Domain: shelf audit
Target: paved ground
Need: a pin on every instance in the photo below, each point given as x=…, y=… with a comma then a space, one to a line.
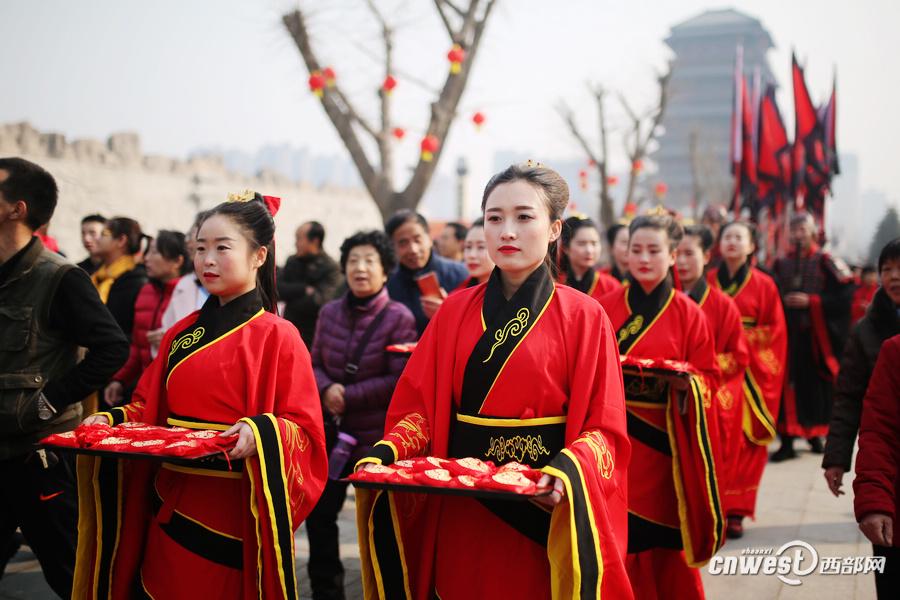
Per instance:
x=794, y=505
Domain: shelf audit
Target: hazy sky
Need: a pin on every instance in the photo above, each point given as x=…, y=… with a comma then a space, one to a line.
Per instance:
x=192, y=73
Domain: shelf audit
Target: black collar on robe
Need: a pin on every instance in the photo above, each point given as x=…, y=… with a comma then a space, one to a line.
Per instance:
x=585, y=284
x=615, y=272
x=644, y=310
x=731, y=285
x=472, y=282
x=700, y=290
x=507, y=323
x=213, y=322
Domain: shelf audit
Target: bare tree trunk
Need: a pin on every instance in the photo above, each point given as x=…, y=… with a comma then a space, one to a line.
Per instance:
x=464, y=27
x=636, y=147
x=599, y=159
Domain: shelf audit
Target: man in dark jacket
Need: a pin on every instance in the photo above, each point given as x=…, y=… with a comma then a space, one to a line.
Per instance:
x=48, y=309
x=308, y=280
x=882, y=321
x=408, y=230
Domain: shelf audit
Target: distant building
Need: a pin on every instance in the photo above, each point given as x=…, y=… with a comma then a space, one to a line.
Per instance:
x=693, y=156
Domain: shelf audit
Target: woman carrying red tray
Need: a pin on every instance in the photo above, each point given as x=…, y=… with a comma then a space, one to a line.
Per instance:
x=675, y=518
x=232, y=366
x=514, y=369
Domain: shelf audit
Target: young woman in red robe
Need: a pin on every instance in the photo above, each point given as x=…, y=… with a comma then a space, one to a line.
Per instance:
x=756, y=296
x=475, y=255
x=617, y=238
x=225, y=529
x=732, y=353
x=580, y=253
x=675, y=520
x=516, y=369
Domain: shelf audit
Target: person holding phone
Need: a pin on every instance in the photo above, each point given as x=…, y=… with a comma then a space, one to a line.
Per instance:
x=413, y=282
x=521, y=359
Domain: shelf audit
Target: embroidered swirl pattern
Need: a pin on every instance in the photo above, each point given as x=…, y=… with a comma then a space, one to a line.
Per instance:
x=726, y=398
x=516, y=447
x=632, y=328
x=513, y=327
x=187, y=340
x=595, y=441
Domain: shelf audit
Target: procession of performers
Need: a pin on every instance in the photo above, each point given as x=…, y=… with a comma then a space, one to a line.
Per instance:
x=646, y=396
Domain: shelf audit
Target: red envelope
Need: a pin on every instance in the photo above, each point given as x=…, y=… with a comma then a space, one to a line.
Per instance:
x=509, y=481
x=470, y=466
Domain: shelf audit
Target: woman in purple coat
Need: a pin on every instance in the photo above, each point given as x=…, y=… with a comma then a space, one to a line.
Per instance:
x=356, y=378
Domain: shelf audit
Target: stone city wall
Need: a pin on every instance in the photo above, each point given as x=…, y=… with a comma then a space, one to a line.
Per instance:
x=114, y=178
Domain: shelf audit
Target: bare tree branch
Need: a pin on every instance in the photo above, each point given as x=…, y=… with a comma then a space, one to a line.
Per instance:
x=439, y=4
x=466, y=28
x=341, y=117
x=569, y=117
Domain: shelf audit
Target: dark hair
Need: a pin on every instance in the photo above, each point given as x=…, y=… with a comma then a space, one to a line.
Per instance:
x=613, y=231
x=664, y=223
x=459, y=230
x=34, y=186
x=891, y=251
x=198, y=219
x=868, y=270
x=94, y=219
x=703, y=233
x=378, y=240
x=131, y=229
x=402, y=217
x=316, y=232
x=171, y=245
x=569, y=230
x=715, y=213
x=751, y=230
x=551, y=187
x=804, y=217
x=479, y=222
x=254, y=219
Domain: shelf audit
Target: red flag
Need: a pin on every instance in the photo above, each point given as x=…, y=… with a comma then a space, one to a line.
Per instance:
x=829, y=125
x=749, y=179
x=737, y=126
x=805, y=124
x=774, y=163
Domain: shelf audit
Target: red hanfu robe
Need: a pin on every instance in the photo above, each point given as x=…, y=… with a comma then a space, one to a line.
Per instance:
x=536, y=380
x=595, y=284
x=733, y=357
x=759, y=303
x=220, y=530
x=673, y=495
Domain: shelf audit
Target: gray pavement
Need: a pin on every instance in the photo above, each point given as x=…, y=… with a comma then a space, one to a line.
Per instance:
x=794, y=504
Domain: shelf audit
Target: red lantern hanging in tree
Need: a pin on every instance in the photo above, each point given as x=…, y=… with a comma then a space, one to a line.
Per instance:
x=317, y=83
x=612, y=180
x=629, y=210
x=592, y=163
x=660, y=190
x=456, y=56
x=330, y=76
x=398, y=132
x=389, y=84
x=583, y=179
x=637, y=166
x=429, y=146
x=478, y=119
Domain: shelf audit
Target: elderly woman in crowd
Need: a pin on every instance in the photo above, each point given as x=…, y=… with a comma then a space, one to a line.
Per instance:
x=356, y=378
